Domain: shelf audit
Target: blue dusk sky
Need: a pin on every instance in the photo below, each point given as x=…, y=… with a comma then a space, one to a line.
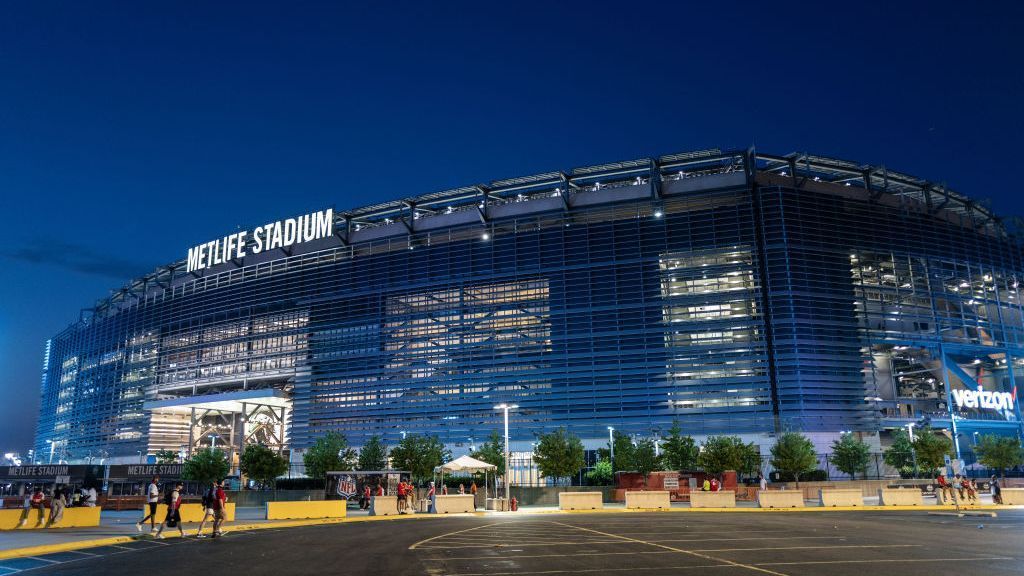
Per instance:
x=130, y=131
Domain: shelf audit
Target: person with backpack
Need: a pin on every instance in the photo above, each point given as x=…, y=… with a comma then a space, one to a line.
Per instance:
x=173, y=519
x=208, y=497
x=220, y=502
x=152, y=499
x=36, y=501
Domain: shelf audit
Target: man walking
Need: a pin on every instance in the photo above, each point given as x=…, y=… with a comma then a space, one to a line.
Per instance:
x=173, y=519
x=152, y=499
x=219, y=506
x=208, y=497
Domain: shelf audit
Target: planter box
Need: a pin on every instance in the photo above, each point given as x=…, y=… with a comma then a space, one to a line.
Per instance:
x=721, y=499
x=900, y=497
x=580, y=501
x=832, y=497
x=645, y=499
x=455, y=503
x=780, y=499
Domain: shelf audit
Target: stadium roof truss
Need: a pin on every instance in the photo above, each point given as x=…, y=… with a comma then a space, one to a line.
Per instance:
x=481, y=199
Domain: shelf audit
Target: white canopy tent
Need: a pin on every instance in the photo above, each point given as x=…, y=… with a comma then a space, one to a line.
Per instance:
x=467, y=464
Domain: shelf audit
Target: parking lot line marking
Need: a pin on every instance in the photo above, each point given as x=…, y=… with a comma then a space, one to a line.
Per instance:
x=810, y=547
x=697, y=554
x=531, y=556
x=601, y=570
x=417, y=544
x=755, y=538
x=502, y=545
x=879, y=561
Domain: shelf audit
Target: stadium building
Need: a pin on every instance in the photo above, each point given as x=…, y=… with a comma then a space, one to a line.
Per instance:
x=736, y=292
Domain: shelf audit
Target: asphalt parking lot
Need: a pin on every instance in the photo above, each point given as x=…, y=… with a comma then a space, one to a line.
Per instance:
x=650, y=544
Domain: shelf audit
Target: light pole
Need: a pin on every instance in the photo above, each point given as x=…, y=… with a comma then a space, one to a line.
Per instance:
x=611, y=446
x=52, y=443
x=213, y=441
x=506, y=407
x=910, y=431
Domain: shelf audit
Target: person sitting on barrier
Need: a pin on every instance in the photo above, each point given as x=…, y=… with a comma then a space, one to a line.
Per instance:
x=945, y=487
x=90, y=497
x=444, y=490
x=57, y=503
x=462, y=488
x=971, y=488
x=714, y=485
x=997, y=491
x=35, y=501
x=706, y=486
x=959, y=483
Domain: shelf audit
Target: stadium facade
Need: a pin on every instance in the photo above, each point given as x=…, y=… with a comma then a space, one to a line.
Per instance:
x=734, y=292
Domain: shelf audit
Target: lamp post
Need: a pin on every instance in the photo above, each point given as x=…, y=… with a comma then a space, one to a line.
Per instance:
x=51, y=442
x=910, y=431
x=611, y=446
x=506, y=407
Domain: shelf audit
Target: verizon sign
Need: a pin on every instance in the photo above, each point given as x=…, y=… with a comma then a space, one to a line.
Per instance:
x=980, y=398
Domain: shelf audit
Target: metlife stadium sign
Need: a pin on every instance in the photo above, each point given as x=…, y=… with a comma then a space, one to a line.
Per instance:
x=280, y=234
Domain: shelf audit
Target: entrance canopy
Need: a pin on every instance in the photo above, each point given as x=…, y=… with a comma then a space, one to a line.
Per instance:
x=224, y=402
x=465, y=464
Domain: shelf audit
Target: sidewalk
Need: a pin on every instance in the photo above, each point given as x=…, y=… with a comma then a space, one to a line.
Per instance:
x=112, y=525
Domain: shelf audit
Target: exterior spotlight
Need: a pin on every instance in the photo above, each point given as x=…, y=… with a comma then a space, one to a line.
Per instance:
x=485, y=236
x=658, y=213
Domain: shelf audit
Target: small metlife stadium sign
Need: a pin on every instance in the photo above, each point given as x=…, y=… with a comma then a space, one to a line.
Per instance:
x=280, y=234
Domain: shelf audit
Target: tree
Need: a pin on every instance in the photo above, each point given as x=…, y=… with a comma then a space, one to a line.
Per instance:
x=601, y=475
x=931, y=450
x=794, y=453
x=850, y=454
x=330, y=452
x=999, y=452
x=721, y=453
x=374, y=455
x=558, y=454
x=750, y=459
x=900, y=455
x=166, y=456
x=419, y=455
x=678, y=452
x=493, y=452
x=645, y=459
x=205, y=466
x=262, y=464
x=622, y=456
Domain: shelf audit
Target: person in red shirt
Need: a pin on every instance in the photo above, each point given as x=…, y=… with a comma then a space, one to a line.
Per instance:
x=220, y=502
x=944, y=486
x=401, y=496
x=365, y=504
x=715, y=485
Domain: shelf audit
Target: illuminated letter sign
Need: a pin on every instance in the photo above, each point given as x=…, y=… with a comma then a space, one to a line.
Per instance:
x=280, y=234
x=982, y=398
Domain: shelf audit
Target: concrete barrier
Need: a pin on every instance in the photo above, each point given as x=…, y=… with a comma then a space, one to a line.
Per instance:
x=722, y=499
x=306, y=509
x=82, y=517
x=580, y=501
x=455, y=503
x=832, y=497
x=191, y=512
x=655, y=499
x=1014, y=496
x=384, y=506
x=900, y=497
x=780, y=499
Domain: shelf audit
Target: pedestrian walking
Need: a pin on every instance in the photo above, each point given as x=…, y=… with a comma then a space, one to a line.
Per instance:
x=220, y=504
x=367, y=495
x=35, y=501
x=762, y=481
x=173, y=519
x=57, y=503
x=207, y=504
x=152, y=499
x=432, y=497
